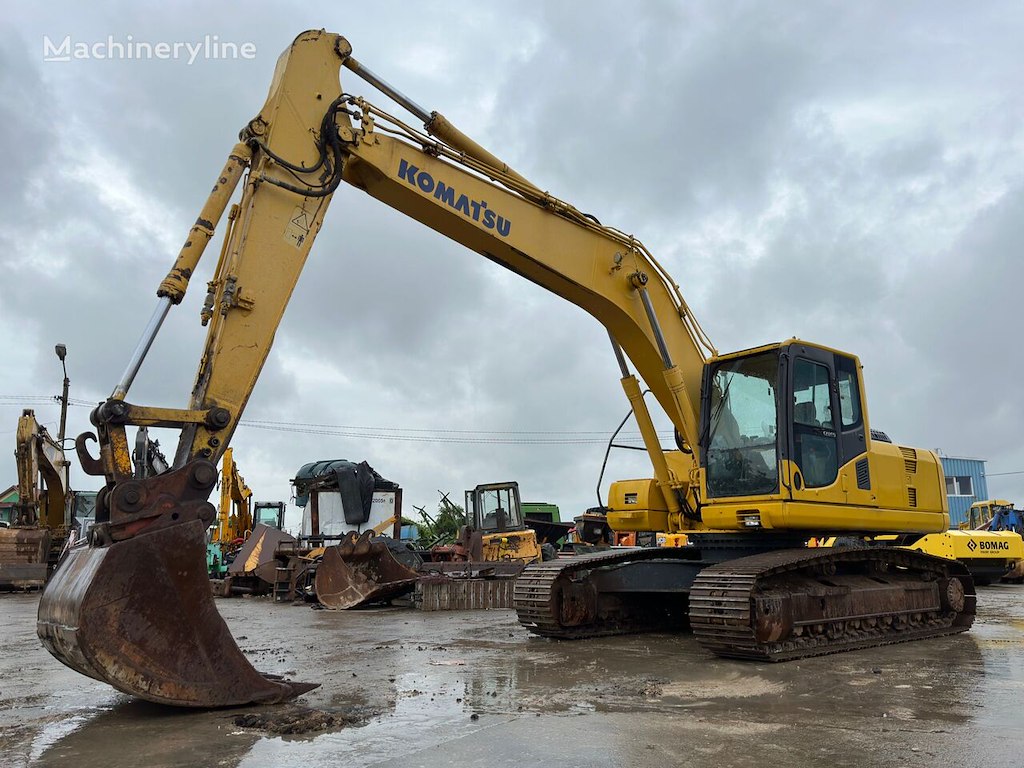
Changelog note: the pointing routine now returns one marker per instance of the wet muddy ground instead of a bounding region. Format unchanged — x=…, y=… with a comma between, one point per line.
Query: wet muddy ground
x=405, y=688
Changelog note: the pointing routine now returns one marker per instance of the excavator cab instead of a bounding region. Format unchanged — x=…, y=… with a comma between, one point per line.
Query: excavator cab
x=784, y=427
x=269, y=513
x=983, y=513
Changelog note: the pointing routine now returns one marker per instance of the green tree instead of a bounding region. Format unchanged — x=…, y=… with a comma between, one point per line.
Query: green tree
x=443, y=528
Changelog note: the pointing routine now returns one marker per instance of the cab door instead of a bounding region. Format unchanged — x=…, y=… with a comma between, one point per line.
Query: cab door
x=814, y=436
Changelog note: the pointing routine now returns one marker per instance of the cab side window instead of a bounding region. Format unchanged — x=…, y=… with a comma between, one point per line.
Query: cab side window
x=849, y=392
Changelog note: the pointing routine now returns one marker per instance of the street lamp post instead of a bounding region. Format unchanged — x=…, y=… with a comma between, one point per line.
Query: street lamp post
x=62, y=352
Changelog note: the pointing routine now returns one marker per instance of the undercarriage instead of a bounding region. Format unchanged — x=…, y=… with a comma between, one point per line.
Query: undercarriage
x=775, y=605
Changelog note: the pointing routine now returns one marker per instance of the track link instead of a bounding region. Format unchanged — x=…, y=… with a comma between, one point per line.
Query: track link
x=793, y=604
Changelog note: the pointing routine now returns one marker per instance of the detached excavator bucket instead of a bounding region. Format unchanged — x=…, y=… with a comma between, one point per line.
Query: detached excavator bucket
x=139, y=614
x=361, y=570
x=23, y=557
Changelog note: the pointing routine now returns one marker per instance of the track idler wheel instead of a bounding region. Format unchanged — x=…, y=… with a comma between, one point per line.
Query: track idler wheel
x=953, y=594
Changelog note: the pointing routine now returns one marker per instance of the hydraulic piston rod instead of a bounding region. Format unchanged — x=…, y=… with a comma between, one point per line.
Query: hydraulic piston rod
x=163, y=306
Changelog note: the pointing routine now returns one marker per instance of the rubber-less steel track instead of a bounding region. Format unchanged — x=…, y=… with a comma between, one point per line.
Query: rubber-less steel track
x=797, y=603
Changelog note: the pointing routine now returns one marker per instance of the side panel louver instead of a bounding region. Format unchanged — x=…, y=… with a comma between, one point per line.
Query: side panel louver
x=909, y=460
x=863, y=475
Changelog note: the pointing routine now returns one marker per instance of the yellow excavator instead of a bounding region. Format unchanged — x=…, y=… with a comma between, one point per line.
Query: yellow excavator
x=42, y=517
x=773, y=443
x=234, y=518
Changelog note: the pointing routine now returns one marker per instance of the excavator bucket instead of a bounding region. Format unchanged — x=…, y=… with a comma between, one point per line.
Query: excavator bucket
x=361, y=570
x=139, y=614
x=23, y=557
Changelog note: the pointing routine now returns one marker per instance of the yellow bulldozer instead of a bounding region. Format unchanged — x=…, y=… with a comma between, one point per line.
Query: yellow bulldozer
x=495, y=529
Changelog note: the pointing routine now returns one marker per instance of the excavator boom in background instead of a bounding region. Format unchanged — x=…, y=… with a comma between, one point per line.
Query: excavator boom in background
x=234, y=518
x=773, y=443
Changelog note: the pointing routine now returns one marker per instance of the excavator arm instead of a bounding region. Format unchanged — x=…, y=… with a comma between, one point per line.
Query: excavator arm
x=41, y=517
x=234, y=520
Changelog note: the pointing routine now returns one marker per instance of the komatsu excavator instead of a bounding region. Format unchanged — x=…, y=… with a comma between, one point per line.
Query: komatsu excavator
x=773, y=443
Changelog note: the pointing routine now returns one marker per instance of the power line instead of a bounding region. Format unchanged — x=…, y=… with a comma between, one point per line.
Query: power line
x=438, y=437
x=403, y=434
x=262, y=422
x=44, y=400
x=1000, y=474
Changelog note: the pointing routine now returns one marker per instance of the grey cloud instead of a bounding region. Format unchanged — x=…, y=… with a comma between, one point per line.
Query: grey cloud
x=848, y=173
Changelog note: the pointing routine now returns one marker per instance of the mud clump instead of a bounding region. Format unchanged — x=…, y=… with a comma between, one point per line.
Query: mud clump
x=296, y=720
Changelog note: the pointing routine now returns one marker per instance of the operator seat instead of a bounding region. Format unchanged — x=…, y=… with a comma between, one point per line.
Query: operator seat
x=806, y=413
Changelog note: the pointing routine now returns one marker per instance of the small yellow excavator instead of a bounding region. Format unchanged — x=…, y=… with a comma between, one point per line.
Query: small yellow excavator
x=234, y=518
x=773, y=444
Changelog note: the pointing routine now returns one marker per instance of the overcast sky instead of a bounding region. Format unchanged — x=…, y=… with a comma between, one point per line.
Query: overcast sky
x=850, y=173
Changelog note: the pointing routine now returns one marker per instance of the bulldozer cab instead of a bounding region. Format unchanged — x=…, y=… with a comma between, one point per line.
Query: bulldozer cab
x=495, y=508
x=269, y=513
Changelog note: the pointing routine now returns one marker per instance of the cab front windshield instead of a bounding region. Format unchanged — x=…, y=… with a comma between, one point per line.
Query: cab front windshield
x=742, y=429
x=494, y=508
